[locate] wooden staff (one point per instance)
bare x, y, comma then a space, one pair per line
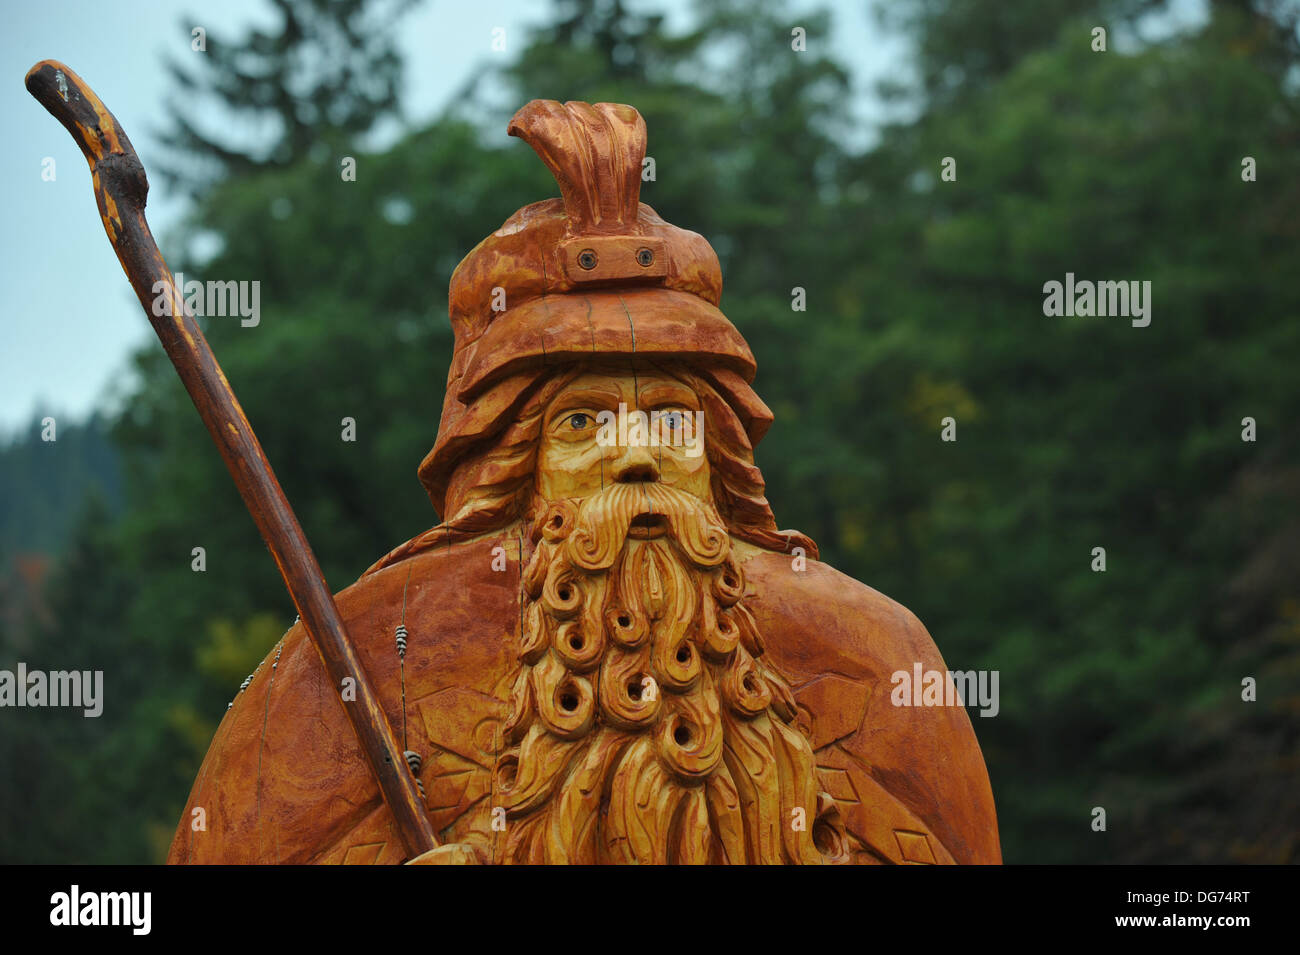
120, 190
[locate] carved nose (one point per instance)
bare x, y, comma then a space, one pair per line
636, 465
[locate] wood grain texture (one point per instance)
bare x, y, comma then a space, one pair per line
909, 783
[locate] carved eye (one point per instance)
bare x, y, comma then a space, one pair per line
579, 421
673, 421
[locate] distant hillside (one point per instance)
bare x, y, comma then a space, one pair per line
44, 484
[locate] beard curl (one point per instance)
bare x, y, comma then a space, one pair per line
644, 725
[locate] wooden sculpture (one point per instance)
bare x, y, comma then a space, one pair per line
606, 652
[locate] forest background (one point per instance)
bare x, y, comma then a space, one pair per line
1120, 688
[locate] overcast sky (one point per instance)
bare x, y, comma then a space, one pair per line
69, 318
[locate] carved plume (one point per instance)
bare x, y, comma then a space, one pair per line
595, 154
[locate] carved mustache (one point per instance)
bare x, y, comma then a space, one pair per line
594, 530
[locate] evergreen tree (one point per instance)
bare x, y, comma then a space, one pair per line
328, 72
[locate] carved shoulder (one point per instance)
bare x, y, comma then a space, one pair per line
909, 780
285, 780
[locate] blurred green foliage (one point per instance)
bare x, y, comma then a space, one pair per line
53, 461
1118, 689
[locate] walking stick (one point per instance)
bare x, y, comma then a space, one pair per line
120, 190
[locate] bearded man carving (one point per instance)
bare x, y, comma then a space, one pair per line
611, 654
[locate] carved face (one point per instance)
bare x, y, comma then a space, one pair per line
618, 426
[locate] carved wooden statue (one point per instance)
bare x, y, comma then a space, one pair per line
607, 652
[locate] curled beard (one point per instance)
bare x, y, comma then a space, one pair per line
644, 725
